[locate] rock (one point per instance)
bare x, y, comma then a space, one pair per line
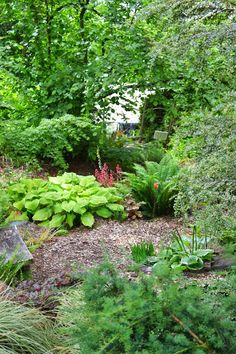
12, 245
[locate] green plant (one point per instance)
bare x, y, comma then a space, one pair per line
24, 330
51, 140
11, 271
187, 253
142, 251
4, 205
155, 185
157, 314
63, 200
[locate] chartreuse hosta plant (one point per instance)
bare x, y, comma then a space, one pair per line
67, 200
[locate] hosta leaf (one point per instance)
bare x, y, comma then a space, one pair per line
103, 212
87, 219
192, 262
42, 214
95, 201
44, 223
87, 181
90, 191
78, 210
44, 201
57, 220
20, 204
32, 205
52, 196
58, 208
68, 206
15, 215
115, 207
82, 202
70, 219
205, 254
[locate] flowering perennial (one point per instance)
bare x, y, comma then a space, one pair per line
107, 177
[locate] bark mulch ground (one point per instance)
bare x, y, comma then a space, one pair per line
83, 248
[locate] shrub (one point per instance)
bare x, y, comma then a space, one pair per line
155, 185
67, 199
24, 330
129, 154
110, 314
50, 140
208, 182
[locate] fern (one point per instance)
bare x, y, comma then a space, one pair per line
157, 201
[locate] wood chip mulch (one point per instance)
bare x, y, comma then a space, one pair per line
83, 248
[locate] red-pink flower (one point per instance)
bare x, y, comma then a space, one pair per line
156, 185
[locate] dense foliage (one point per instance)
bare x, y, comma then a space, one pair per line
155, 185
24, 330
66, 199
153, 315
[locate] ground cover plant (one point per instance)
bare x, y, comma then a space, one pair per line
110, 314
66, 199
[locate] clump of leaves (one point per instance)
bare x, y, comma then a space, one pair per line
24, 329
110, 314
68, 200
154, 185
187, 253
11, 271
142, 251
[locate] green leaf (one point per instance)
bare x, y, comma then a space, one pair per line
78, 210
103, 212
68, 206
32, 205
70, 219
57, 220
192, 262
82, 202
115, 207
87, 219
44, 201
95, 201
205, 254
87, 181
20, 204
58, 208
42, 214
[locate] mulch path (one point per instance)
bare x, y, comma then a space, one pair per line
83, 248
57, 259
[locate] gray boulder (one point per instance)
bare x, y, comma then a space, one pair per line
12, 245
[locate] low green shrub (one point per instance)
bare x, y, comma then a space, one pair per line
51, 140
155, 185
126, 155
24, 330
157, 314
63, 200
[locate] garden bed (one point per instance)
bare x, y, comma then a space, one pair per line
83, 247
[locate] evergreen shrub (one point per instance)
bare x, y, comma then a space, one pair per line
156, 314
